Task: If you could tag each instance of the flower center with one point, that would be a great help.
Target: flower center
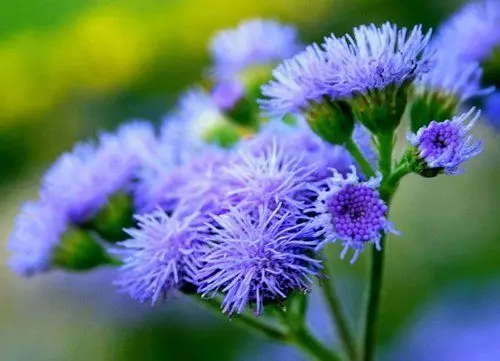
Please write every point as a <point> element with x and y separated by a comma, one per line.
<point>438,139</point>
<point>357,212</point>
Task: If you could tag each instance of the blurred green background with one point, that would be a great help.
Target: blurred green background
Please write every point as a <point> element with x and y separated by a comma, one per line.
<point>69,68</point>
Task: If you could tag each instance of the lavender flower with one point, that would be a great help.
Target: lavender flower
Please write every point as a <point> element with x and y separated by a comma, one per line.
<point>252,43</point>
<point>163,254</point>
<point>297,83</point>
<point>254,258</point>
<point>443,146</point>
<point>473,33</point>
<point>80,182</point>
<point>37,231</point>
<point>376,58</point>
<point>351,211</point>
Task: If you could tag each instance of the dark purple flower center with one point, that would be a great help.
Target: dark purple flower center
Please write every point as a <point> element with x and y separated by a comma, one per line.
<point>439,138</point>
<point>357,212</point>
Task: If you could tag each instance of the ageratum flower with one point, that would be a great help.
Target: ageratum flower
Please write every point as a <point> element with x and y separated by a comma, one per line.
<point>227,93</point>
<point>272,177</point>
<point>298,82</point>
<point>80,182</point>
<point>351,211</point>
<point>443,147</point>
<point>162,254</point>
<point>37,231</point>
<point>257,257</point>
<point>472,33</point>
<point>253,43</point>
<point>375,69</point>
<point>376,58</point>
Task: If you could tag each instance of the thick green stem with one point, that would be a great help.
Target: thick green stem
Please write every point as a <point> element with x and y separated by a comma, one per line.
<point>392,182</point>
<point>333,301</point>
<point>365,166</point>
<point>385,147</point>
<point>249,321</point>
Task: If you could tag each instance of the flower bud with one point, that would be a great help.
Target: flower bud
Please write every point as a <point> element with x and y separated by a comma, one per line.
<point>331,120</point>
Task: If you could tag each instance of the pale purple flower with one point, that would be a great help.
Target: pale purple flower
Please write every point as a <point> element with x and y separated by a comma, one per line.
<point>350,211</point>
<point>446,145</point>
<point>256,257</point>
<point>162,254</point>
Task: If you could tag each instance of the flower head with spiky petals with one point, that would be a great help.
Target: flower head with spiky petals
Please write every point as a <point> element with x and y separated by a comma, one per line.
<point>80,182</point>
<point>37,231</point>
<point>256,257</point>
<point>473,32</point>
<point>444,146</point>
<point>162,254</point>
<point>253,42</point>
<point>350,211</point>
<point>297,83</point>
<point>272,176</point>
<point>375,58</point>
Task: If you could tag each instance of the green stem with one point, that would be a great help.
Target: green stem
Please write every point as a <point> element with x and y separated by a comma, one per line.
<point>373,304</point>
<point>346,337</point>
<point>390,185</point>
<point>385,147</point>
<point>352,147</point>
<point>250,321</point>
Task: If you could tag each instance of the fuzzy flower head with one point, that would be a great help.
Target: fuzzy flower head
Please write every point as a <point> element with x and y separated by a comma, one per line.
<point>80,182</point>
<point>253,43</point>
<point>473,33</point>
<point>297,83</point>
<point>352,212</point>
<point>37,231</point>
<point>444,146</point>
<point>272,176</point>
<point>256,258</point>
<point>162,253</point>
<point>376,58</point>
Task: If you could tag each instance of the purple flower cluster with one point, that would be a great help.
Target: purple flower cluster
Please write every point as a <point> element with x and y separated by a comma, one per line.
<point>246,223</point>
<point>373,59</point>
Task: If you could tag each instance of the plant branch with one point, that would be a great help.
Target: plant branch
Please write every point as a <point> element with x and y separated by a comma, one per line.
<point>354,150</point>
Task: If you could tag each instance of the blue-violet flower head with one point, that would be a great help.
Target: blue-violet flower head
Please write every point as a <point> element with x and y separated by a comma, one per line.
<point>254,258</point>
<point>350,211</point>
<point>375,58</point>
<point>162,254</point>
<point>446,145</point>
